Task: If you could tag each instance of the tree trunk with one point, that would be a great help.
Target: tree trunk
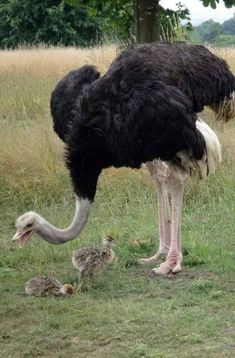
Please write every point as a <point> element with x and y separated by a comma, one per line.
<point>147,20</point>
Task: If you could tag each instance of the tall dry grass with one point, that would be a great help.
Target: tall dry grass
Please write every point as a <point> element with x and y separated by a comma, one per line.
<point>31,155</point>
<point>54,60</point>
<point>30,152</point>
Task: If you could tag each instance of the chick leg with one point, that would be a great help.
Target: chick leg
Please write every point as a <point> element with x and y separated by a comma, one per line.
<point>81,278</point>
<point>91,278</point>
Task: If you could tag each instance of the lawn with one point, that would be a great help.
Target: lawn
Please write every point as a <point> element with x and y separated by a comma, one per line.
<point>127,314</point>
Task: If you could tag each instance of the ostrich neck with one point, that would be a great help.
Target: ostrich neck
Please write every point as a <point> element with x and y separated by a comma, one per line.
<point>54,235</point>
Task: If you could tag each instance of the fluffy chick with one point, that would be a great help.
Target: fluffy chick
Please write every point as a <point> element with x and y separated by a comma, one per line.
<point>92,259</point>
<point>45,285</point>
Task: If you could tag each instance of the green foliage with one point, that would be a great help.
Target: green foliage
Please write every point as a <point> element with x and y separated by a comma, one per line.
<point>54,22</point>
<point>225,40</point>
<point>114,18</point>
<point>213,32</point>
<point>195,36</point>
<point>208,30</point>
<point>171,27</point>
<point>50,22</point>
<point>181,13</point>
<point>213,3</point>
<point>117,18</point>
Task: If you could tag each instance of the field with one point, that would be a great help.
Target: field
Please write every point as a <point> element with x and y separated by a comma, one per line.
<point>126,314</point>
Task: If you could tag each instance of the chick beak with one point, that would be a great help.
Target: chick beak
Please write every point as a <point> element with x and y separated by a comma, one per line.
<point>22,237</point>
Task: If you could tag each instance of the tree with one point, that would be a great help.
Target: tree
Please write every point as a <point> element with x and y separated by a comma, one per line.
<point>145,20</point>
<point>229,26</point>
<point>209,30</point>
<point>45,21</point>
<point>147,14</point>
<point>115,18</point>
<point>55,22</point>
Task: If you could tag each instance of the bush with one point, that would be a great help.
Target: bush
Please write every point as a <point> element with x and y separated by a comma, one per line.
<point>52,22</point>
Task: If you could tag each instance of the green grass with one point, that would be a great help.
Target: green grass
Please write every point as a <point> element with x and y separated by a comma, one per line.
<point>127,314</point>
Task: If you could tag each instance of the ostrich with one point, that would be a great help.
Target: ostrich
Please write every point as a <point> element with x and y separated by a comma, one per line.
<point>142,110</point>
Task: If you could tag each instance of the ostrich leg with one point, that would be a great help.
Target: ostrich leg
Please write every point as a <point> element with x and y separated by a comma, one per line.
<point>159,172</point>
<point>176,184</point>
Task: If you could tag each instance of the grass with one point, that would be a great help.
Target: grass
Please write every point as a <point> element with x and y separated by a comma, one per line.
<point>126,314</point>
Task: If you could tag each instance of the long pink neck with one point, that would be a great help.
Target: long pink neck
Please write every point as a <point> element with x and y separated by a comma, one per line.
<point>54,235</point>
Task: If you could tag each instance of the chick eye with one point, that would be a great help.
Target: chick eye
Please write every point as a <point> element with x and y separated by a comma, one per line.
<point>28,225</point>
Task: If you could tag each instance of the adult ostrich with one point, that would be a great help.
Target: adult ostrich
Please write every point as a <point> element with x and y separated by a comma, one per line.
<point>143,109</point>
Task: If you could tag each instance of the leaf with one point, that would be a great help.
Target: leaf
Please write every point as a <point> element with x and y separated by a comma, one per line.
<point>74,3</point>
<point>206,2</point>
<point>213,4</point>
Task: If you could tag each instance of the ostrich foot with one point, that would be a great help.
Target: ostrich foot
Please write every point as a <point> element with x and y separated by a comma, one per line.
<point>161,254</point>
<point>171,265</point>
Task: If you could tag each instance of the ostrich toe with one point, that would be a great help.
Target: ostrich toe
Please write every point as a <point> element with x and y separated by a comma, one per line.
<point>169,266</point>
<point>159,256</point>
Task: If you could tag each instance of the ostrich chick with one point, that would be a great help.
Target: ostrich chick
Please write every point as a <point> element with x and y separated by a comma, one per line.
<point>45,285</point>
<point>91,259</point>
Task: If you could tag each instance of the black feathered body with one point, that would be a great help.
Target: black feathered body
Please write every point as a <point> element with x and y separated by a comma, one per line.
<point>66,94</point>
<point>142,109</point>
<point>204,77</point>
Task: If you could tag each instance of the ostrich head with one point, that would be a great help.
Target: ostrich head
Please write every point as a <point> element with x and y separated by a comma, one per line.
<point>31,222</point>
<point>26,226</point>
<point>108,241</point>
<point>226,110</point>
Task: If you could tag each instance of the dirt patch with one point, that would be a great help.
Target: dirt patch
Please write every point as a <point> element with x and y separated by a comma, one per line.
<point>192,274</point>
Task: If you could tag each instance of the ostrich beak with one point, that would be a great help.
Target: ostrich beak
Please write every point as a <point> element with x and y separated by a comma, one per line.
<point>22,237</point>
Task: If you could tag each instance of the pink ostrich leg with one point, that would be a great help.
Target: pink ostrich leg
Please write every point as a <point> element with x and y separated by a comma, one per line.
<point>160,172</point>
<point>164,219</point>
<point>176,184</point>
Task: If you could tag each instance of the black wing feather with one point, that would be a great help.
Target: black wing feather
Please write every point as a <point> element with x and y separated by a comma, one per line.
<point>66,95</point>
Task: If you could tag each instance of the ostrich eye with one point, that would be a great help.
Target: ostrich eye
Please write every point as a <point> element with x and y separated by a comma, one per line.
<point>28,225</point>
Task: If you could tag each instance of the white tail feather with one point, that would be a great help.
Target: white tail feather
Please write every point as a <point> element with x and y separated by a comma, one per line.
<point>212,156</point>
